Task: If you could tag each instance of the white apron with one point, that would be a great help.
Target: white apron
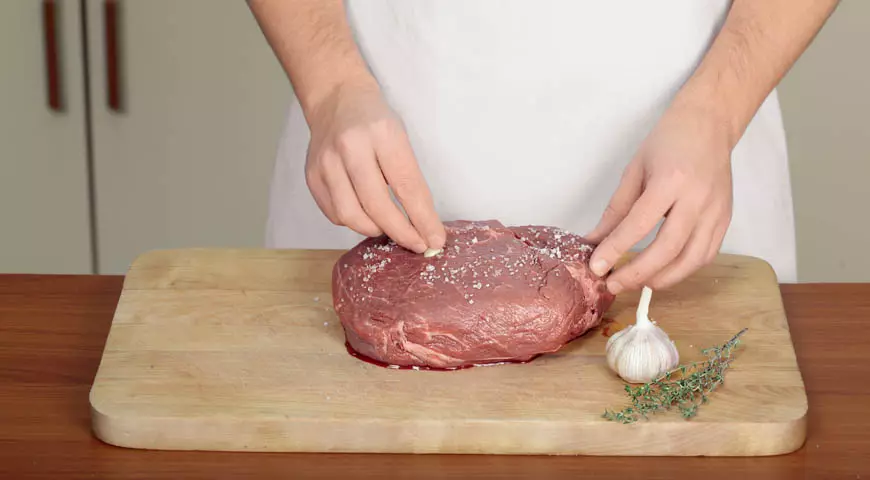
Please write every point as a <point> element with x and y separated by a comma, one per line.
<point>528,111</point>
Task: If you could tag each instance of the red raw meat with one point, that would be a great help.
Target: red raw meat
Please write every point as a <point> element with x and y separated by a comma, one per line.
<point>495,294</point>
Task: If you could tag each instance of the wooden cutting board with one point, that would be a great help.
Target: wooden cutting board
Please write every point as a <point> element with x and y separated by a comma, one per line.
<point>214,349</point>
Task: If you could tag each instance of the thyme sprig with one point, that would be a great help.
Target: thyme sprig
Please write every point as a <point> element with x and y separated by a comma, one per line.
<point>686,387</point>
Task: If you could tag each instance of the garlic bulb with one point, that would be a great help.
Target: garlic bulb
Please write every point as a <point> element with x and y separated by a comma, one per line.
<point>642,352</point>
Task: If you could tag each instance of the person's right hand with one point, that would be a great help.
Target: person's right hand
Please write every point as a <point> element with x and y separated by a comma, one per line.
<point>359,150</point>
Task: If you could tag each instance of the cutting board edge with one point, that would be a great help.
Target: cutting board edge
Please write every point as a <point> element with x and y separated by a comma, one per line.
<point>642,439</point>
<point>148,256</point>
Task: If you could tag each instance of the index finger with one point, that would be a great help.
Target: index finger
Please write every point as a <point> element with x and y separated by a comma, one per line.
<point>668,244</point>
<point>374,196</point>
<point>649,209</point>
<point>400,169</point>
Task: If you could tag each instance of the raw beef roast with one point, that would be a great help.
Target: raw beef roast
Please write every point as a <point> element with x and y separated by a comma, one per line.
<point>495,294</point>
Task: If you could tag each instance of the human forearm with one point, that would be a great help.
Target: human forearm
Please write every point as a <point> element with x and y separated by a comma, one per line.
<point>315,46</point>
<point>758,44</point>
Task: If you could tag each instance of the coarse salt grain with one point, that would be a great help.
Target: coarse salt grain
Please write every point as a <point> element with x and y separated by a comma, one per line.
<point>389,247</point>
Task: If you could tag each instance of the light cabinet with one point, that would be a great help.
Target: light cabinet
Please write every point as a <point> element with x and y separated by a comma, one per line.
<point>45,224</point>
<point>185,105</point>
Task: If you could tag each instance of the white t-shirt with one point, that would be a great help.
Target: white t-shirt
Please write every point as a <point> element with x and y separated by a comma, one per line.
<point>528,111</point>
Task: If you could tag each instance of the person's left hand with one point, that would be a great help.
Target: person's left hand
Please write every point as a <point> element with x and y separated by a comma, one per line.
<point>682,172</point>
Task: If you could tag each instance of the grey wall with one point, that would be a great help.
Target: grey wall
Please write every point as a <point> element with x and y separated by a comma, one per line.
<point>826,101</point>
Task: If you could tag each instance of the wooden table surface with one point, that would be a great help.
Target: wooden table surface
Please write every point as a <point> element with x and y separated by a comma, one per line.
<point>53,328</point>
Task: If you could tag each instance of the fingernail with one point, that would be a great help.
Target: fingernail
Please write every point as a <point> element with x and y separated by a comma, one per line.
<point>436,241</point>
<point>614,287</point>
<point>599,267</point>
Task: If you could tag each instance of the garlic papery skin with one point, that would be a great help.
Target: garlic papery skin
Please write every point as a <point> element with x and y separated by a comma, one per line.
<point>641,352</point>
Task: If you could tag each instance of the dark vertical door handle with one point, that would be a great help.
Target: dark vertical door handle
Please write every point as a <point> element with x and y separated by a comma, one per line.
<point>113,81</point>
<point>52,60</point>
